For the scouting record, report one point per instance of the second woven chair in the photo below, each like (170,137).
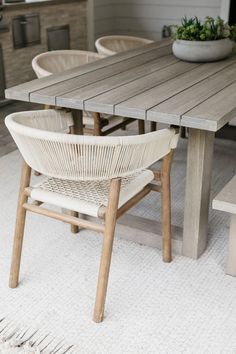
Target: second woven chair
(110,45)
(54,62)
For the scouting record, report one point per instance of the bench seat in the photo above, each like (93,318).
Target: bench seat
(226,201)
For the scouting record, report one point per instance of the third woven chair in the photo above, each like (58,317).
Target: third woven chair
(110,45)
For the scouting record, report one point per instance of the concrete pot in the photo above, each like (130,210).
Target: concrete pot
(202,51)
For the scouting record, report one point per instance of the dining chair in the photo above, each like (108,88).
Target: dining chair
(110,45)
(101,177)
(57,61)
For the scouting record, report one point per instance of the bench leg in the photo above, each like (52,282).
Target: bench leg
(231,261)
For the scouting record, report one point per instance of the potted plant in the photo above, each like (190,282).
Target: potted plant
(197,41)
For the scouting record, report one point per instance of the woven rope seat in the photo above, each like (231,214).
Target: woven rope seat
(79,168)
(110,45)
(88,196)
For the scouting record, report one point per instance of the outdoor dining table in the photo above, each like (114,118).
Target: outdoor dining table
(149,83)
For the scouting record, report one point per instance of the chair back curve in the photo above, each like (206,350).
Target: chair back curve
(46,149)
(110,45)
(56,61)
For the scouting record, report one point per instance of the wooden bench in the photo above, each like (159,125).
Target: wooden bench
(226,201)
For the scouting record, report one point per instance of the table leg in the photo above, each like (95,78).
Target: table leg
(78,121)
(78,129)
(231,261)
(197,194)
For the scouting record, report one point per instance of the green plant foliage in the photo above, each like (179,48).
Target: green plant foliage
(192,29)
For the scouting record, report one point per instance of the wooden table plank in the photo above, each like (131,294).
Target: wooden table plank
(213,113)
(109,101)
(48,95)
(75,99)
(22,92)
(137,106)
(184,101)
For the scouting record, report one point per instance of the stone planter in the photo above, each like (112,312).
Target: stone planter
(202,51)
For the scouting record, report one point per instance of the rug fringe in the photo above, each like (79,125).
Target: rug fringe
(31,341)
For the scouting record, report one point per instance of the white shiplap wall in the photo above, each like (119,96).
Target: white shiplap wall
(146,18)
(104,18)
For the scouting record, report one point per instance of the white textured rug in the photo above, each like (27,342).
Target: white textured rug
(184,307)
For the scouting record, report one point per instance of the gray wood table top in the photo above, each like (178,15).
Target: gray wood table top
(146,83)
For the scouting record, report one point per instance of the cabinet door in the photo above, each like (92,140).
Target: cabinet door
(26,30)
(59,37)
(32,29)
(2,76)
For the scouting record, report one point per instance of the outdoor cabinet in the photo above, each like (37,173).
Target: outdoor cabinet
(26,30)
(58,37)
(2,76)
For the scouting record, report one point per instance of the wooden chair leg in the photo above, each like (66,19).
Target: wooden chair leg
(97,124)
(20,226)
(78,128)
(74,228)
(141,126)
(153,126)
(124,127)
(166,207)
(183,132)
(72,130)
(110,223)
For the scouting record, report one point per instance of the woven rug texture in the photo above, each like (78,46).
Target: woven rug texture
(185,307)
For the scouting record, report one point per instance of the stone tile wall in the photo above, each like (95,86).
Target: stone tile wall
(17,62)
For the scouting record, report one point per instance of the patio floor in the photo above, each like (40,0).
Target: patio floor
(184,307)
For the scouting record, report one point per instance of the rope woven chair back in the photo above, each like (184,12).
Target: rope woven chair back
(57,61)
(76,157)
(110,45)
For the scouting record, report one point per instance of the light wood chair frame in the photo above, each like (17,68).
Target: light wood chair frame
(109,216)
(100,122)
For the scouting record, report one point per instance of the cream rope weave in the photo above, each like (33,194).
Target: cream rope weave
(96,192)
(110,45)
(57,61)
(74,157)
(88,196)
